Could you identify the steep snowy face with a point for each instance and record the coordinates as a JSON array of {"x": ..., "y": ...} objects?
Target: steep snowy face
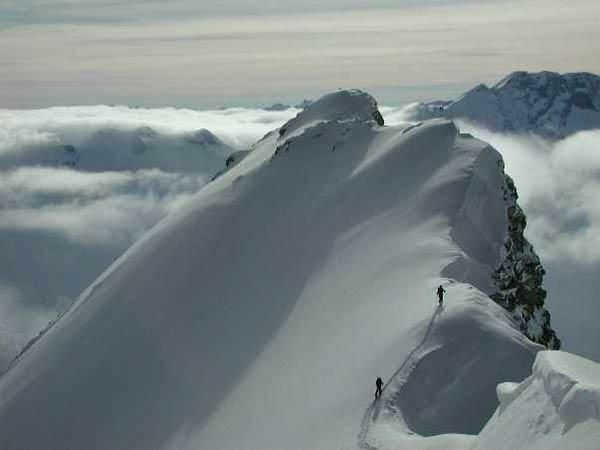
[
  {"x": 489, "y": 228},
  {"x": 548, "y": 104},
  {"x": 260, "y": 315}
]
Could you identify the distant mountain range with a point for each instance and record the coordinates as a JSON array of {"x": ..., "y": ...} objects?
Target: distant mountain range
[
  {"x": 112, "y": 149},
  {"x": 283, "y": 106},
  {"x": 548, "y": 104}
]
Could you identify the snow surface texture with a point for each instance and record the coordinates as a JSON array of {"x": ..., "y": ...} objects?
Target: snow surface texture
[
  {"x": 556, "y": 408},
  {"x": 445, "y": 386},
  {"x": 259, "y": 315},
  {"x": 548, "y": 104}
]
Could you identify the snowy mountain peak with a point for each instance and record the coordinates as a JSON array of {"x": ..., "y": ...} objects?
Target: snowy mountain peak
[
  {"x": 342, "y": 105},
  {"x": 549, "y": 104},
  {"x": 549, "y": 83},
  {"x": 293, "y": 280},
  {"x": 520, "y": 79}
]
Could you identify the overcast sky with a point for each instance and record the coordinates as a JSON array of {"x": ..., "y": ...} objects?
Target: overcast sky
[{"x": 204, "y": 54}]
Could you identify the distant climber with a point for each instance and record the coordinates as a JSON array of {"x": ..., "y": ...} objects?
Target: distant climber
[
  {"x": 379, "y": 384},
  {"x": 440, "y": 293}
]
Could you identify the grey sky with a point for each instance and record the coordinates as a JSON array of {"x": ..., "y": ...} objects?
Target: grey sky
[{"x": 190, "y": 53}]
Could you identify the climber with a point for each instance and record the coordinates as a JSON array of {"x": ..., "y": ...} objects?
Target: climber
[
  {"x": 440, "y": 293},
  {"x": 379, "y": 384}
]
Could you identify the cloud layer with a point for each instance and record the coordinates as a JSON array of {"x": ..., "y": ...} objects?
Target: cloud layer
[
  {"x": 107, "y": 208},
  {"x": 237, "y": 127},
  {"x": 203, "y": 53},
  {"x": 79, "y": 185},
  {"x": 559, "y": 187}
]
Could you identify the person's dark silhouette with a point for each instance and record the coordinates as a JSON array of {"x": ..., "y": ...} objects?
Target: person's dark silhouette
[
  {"x": 440, "y": 293},
  {"x": 379, "y": 385}
]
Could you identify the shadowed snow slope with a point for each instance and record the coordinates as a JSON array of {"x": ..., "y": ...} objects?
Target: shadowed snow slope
[
  {"x": 557, "y": 407},
  {"x": 259, "y": 316}
]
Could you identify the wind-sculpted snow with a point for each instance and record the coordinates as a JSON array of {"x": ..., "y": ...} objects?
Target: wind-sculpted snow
[
  {"x": 463, "y": 354},
  {"x": 556, "y": 408},
  {"x": 446, "y": 386},
  {"x": 260, "y": 314}
]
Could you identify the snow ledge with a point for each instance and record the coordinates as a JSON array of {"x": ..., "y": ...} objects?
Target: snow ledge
[{"x": 571, "y": 382}]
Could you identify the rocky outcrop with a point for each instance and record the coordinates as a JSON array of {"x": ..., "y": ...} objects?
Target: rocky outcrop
[
  {"x": 71, "y": 156},
  {"x": 230, "y": 162},
  {"x": 519, "y": 277}
]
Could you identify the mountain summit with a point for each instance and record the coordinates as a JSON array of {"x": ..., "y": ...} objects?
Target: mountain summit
[
  {"x": 259, "y": 315},
  {"x": 548, "y": 104}
]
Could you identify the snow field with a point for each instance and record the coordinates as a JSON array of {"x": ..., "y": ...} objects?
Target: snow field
[{"x": 259, "y": 316}]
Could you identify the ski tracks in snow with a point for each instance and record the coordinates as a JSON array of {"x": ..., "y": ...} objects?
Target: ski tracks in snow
[{"x": 372, "y": 412}]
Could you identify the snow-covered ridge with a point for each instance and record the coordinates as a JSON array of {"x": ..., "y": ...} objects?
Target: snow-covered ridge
[
  {"x": 421, "y": 398},
  {"x": 341, "y": 105},
  {"x": 557, "y": 407},
  {"x": 548, "y": 104},
  {"x": 260, "y": 314},
  {"x": 573, "y": 384},
  {"x": 489, "y": 228}
]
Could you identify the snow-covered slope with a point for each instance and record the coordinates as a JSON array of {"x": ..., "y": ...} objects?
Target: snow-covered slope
[
  {"x": 258, "y": 316},
  {"x": 556, "y": 408},
  {"x": 68, "y": 211},
  {"x": 78, "y": 185},
  {"x": 445, "y": 387},
  {"x": 548, "y": 104}
]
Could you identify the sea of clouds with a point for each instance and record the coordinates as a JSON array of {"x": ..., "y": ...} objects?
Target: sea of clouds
[
  {"x": 65, "y": 218},
  {"x": 78, "y": 185}
]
